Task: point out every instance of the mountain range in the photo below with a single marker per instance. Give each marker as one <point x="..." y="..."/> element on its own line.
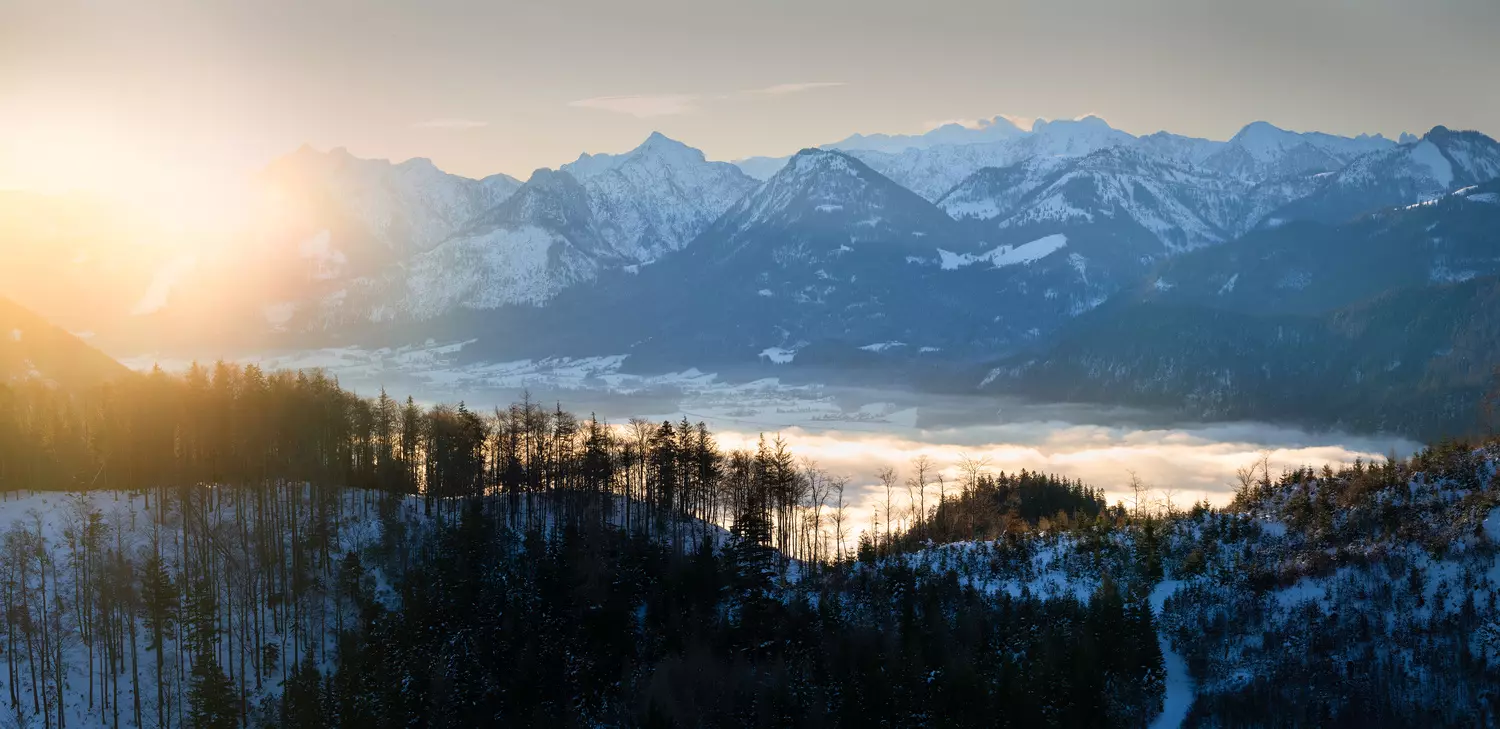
<point x="984" y="247"/>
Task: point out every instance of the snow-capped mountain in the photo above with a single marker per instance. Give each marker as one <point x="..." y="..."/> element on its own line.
<point x="658" y="197"/>
<point x="1182" y="206"/>
<point x="564" y="227"/>
<point x="540" y="241"/>
<point x="932" y="171"/>
<point x="1262" y="151"/>
<point x="994" y="129"/>
<point x="826" y="250"/>
<point x="1178" y="149"/>
<point x="1309" y="267"/>
<point x="964" y="240"/>
<point x="1441" y="161"/>
<point x="823" y="190"/>
<point x="402" y="208"/>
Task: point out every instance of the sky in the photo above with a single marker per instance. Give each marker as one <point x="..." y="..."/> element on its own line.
<point x="154" y="96"/>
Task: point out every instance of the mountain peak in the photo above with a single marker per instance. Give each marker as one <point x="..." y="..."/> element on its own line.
<point x="661" y="145"/>
<point x="546" y="178"/>
<point x="657" y="146"/>
<point x="813" y="161"/>
<point x="1259" y="127"/>
<point x="419" y="163"/>
<point x="838" y="195"/>
<point x="1090" y="123"/>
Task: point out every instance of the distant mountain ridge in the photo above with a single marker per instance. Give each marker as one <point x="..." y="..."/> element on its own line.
<point x="950" y="249"/>
<point x="34" y="351"/>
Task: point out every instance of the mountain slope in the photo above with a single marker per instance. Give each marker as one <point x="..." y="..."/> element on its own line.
<point x="994" y="129"/>
<point x="371" y="207"/>
<point x="1413" y="361"/>
<point x="540" y="241"/>
<point x="1441" y="161"/>
<point x="31" y="349"/>
<point x="1261" y="151"/>
<point x="1309" y="267"/>
<point x="823" y="250"/>
<point x="658" y="197"/>
<point x="933" y="171"/>
<point x="827" y="251"/>
<point x="1180" y="205"/>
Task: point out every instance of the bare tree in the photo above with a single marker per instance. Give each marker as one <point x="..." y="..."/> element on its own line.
<point x="1244" y="477"/>
<point x="916" y="490"/>
<point x="972" y="469"/>
<point x="1168" y="495"/>
<point x="837" y="485"/>
<point x="1139" y="494"/>
<point x="887" y="476"/>
<point x="1264" y="462"/>
<point x="818" y="485"/>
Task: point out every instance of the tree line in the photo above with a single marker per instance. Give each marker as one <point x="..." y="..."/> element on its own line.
<point x="193" y="542"/>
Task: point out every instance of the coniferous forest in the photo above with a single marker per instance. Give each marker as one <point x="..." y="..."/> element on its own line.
<point x="234" y="548"/>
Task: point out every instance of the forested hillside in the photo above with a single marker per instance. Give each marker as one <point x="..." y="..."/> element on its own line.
<point x="235" y="548"/>
<point x="232" y="547"/>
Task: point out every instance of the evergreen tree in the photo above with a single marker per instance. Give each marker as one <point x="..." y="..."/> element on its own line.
<point x="212" y="701"/>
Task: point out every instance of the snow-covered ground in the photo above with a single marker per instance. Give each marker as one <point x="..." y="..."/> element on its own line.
<point x="54" y="517"/>
<point x="1179" y="696"/>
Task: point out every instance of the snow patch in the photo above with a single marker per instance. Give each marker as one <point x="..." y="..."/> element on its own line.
<point x="777" y="355"/>
<point x="1428" y="155"/>
<point x="162" y="284"/>
<point x="882" y="346"/>
<point x="1006" y="255"/>
<point x="277" y="315"/>
<point x="328" y="262"/>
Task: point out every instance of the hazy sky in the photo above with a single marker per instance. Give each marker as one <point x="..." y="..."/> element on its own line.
<point x="112" y="93"/>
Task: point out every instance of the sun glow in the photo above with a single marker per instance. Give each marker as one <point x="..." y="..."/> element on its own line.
<point x="176" y="190"/>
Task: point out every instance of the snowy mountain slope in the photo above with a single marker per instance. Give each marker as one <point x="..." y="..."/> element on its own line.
<point x="1183" y="206"/>
<point x="405" y="208"/>
<point x="330" y="234"/>
<point x="1262" y="151"/>
<point x="1308" y="267"/>
<point x="541" y="240"/>
<point x="1178" y="149"/>
<point x="933" y="171"/>
<point x="994" y="129"/>
<point x="1358" y="337"/>
<point x="827" y="250"/>
<point x="657" y="197"/>
<point x="1441" y="161"/>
